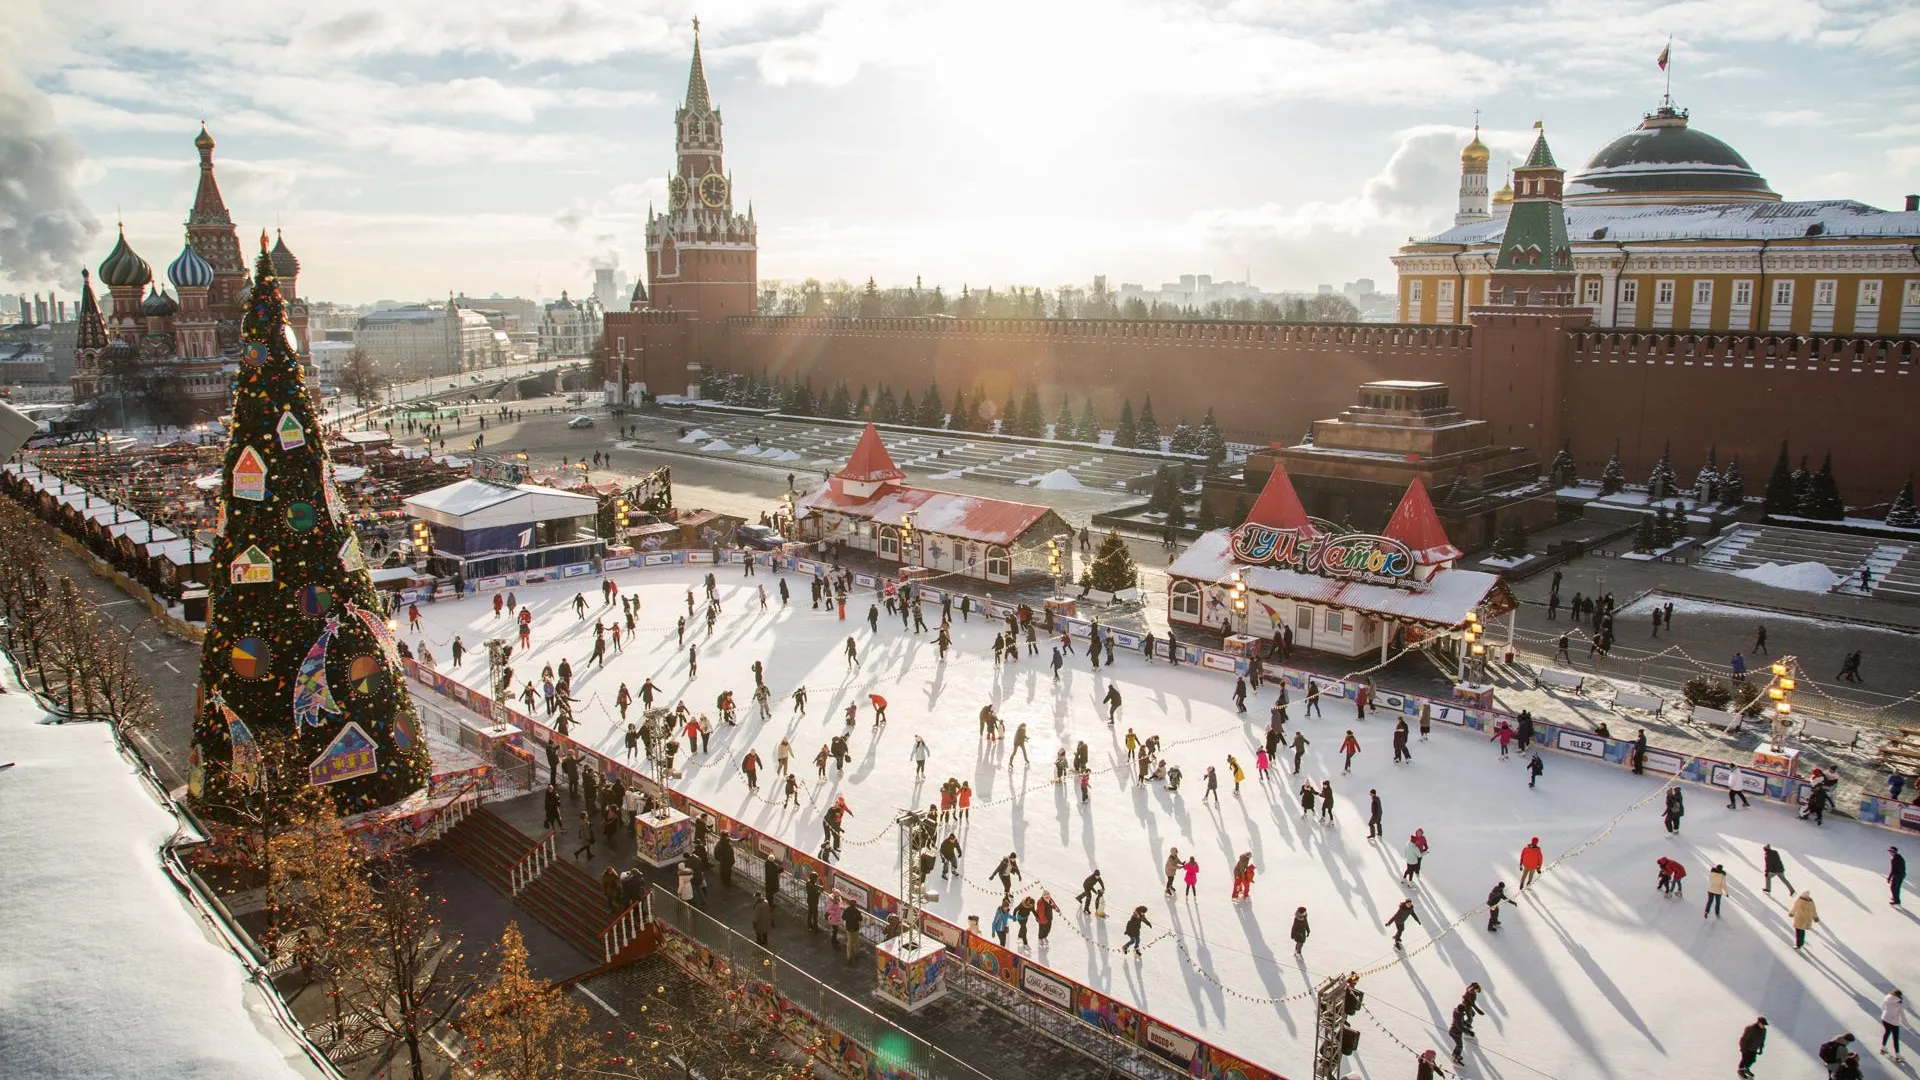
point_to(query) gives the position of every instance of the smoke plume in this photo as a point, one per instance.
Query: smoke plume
(46, 230)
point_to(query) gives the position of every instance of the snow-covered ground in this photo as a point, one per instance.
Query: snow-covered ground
(1810, 577)
(104, 969)
(1593, 973)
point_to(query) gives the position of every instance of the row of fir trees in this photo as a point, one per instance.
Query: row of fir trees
(1023, 416)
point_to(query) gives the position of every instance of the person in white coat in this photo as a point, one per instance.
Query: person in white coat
(1893, 1013)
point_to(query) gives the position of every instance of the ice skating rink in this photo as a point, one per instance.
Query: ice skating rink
(1592, 974)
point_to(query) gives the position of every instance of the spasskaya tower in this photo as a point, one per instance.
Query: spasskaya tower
(702, 257)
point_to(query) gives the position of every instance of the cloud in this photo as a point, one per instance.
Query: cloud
(45, 226)
(1793, 117)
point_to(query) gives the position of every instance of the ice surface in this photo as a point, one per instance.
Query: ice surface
(696, 435)
(1800, 577)
(1057, 480)
(105, 971)
(1593, 973)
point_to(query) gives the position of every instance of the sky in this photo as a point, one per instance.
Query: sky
(410, 149)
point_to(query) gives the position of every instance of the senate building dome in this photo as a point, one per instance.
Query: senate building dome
(1666, 161)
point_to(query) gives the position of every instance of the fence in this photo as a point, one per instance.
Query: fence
(808, 1009)
(545, 850)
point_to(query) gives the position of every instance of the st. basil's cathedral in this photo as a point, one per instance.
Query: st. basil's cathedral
(187, 341)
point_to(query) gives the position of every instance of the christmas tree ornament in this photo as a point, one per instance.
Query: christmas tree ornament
(250, 476)
(351, 754)
(382, 633)
(350, 558)
(302, 516)
(292, 435)
(250, 658)
(364, 674)
(246, 751)
(311, 695)
(316, 600)
(253, 567)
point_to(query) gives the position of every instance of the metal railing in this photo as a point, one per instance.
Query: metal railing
(545, 850)
(626, 926)
(743, 961)
(455, 812)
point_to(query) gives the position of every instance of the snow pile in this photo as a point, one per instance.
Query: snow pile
(108, 971)
(718, 446)
(696, 435)
(1800, 577)
(954, 475)
(783, 455)
(750, 451)
(1057, 480)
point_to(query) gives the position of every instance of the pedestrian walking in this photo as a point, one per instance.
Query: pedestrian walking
(1532, 859)
(1716, 890)
(1753, 1041)
(1803, 915)
(762, 920)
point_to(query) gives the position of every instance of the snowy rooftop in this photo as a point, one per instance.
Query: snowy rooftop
(109, 971)
(1448, 597)
(1722, 221)
(987, 521)
(481, 503)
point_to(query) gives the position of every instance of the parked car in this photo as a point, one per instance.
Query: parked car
(580, 422)
(758, 537)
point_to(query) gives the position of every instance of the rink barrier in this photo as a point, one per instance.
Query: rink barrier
(1064, 995)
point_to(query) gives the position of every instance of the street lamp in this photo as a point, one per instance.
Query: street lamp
(1240, 599)
(906, 535)
(1780, 692)
(1053, 562)
(1470, 643)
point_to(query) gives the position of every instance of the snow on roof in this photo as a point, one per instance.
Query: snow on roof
(1841, 218)
(1449, 596)
(968, 517)
(109, 971)
(870, 460)
(366, 437)
(466, 504)
(1416, 525)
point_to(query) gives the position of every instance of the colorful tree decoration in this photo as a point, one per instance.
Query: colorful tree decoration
(277, 642)
(246, 751)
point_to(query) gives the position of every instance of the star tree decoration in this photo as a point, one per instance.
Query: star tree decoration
(297, 645)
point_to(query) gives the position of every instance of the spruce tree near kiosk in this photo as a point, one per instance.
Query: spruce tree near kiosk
(297, 645)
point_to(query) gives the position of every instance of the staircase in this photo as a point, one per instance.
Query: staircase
(571, 904)
(489, 847)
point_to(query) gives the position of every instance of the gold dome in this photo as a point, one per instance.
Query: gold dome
(1476, 151)
(1505, 194)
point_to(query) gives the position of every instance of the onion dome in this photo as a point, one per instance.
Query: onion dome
(1505, 194)
(123, 268)
(189, 270)
(285, 266)
(203, 141)
(120, 349)
(1665, 160)
(157, 305)
(1476, 151)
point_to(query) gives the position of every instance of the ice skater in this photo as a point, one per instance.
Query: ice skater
(1300, 745)
(1535, 767)
(1773, 866)
(1753, 1042)
(853, 654)
(1300, 930)
(1112, 701)
(1134, 924)
(1374, 829)
(1398, 920)
(1496, 897)
(1349, 746)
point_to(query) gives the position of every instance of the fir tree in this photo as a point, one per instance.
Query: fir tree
(1009, 417)
(1177, 512)
(1706, 485)
(1613, 478)
(959, 420)
(1063, 429)
(1823, 500)
(863, 409)
(1802, 487)
(1646, 535)
(297, 647)
(1660, 481)
(1733, 487)
(1089, 429)
(1901, 514)
(801, 402)
(977, 418)
(885, 409)
(1146, 431)
(1033, 424)
(1207, 521)
(840, 406)
(933, 414)
(1208, 441)
(1164, 495)
(1510, 542)
(1562, 470)
(1662, 526)
(1112, 568)
(1781, 496)
(1181, 441)
(1124, 433)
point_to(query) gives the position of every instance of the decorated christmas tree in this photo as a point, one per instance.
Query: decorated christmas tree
(298, 644)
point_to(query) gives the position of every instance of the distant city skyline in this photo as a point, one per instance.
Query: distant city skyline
(412, 150)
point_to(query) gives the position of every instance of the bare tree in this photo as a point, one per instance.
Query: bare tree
(359, 378)
(410, 976)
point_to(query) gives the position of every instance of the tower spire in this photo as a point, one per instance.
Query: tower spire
(698, 100)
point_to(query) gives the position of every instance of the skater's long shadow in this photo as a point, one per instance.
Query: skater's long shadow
(1601, 982)
(1833, 883)
(1263, 959)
